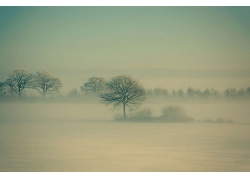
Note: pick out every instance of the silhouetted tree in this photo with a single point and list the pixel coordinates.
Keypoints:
(124, 91)
(45, 83)
(19, 80)
(94, 85)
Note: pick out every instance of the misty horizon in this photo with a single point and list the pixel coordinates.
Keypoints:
(140, 89)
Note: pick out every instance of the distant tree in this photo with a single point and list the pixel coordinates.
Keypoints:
(180, 93)
(95, 85)
(164, 92)
(19, 80)
(191, 92)
(206, 93)
(73, 93)
(45, 83)
(157, 92)
(230, 92)
(124, 91)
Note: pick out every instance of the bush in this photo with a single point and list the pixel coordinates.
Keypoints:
(174, 114)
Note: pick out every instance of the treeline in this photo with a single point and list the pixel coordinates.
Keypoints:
(20, 80)
(197, 93)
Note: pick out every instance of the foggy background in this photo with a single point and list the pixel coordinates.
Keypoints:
(163, 47)
(171, 47)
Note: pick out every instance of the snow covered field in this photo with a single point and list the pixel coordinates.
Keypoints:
(32, 139)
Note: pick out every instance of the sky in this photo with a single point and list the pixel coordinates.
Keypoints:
(72, 42)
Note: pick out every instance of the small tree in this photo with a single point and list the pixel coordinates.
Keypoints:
(94, 85)
(45, 83)
(124, 91)
(19, 80)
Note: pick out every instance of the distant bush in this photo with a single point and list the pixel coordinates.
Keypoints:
(174, 114)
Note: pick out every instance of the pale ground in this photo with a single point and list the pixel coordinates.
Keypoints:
(64, 144)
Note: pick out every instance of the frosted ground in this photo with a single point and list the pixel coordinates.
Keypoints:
(83, 137)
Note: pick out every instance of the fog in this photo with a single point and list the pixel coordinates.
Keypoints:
(237, 111)
(63, 126)
(85, 137)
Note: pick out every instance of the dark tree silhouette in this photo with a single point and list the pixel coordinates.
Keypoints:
(45, 83)
(94, 85)
(19, 80)
(124, 91)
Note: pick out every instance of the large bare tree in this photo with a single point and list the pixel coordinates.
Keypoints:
(45, 83)
(124, 91)
(94, 85)
(19, 80)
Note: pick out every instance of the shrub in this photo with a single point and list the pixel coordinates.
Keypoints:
(173, 114)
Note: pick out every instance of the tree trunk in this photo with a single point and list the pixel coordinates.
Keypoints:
(124, 111)
(19, 92)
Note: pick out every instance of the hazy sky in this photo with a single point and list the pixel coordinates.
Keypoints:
(96, 38)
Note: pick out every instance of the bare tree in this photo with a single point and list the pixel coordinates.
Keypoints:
(19, 80)
(45, 83)
(124, 91)
(94, 85)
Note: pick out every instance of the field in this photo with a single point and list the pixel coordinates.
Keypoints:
(83, 137)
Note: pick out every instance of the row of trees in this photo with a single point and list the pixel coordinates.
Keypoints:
(96, 85)
(197, 93)
(121, 91)
(21, 79)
